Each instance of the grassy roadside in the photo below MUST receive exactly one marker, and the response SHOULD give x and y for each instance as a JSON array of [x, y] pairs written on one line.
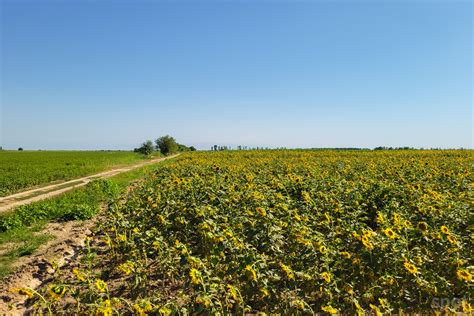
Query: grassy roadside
[[31, 169], [20, 229]]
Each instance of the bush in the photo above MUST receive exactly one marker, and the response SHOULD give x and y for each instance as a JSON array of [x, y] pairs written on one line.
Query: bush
[[166, 145], [146, 148]]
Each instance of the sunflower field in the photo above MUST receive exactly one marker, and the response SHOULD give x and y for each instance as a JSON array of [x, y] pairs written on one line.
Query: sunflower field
[[283, 231]]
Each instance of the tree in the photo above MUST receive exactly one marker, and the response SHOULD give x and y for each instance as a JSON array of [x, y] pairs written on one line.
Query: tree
[[166, 145], [182, 147], [146, 148], [192, 148], [20, 149]]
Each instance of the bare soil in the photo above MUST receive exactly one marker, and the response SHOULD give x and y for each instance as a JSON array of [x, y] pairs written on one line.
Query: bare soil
[[37, 270]]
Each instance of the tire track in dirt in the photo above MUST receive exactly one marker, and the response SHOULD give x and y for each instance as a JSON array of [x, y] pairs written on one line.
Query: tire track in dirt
[[37, 269]]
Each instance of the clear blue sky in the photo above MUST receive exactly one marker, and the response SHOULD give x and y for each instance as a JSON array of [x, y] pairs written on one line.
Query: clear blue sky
[[110, 74]]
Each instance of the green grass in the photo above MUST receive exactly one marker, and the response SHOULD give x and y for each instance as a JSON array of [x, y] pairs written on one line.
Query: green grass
[[19, 228], [26, 169]]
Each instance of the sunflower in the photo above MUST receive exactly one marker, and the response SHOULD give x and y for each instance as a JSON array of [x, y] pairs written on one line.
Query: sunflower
[[383, 303], [396, 219], [423, 226], [390, 233], [261, 211], [143, 308], [380, 218], [56, 291], [264, 292], [156, 245], [376, 310], [79, 275], [349, 289], [451, 239], [121, 238], [410, 267], [467, 307], [323, 249], [366, 242], [289, 273], [359, 310], [445, 230], [306, 197], [464, 275], [345, 254], [195, 276], [252, 274], [328, 217], [101, 285], [298, 304], [329, 309], [23, 291], [127, 267], [165, 311], [232, 290], [326, 277], [201, 300], [105, 309]]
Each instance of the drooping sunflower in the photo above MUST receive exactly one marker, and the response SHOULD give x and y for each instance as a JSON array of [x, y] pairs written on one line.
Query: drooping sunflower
[[251, 273], [346, 254], [423, 226], [101, 285], [289, 273], [464, 275], [261, 211], [127, 267], [195, 276], [326, 277], [451, 239], [79, 275], [329, 309], [410, 267], [23, 291], [56, 291], [105, 309]]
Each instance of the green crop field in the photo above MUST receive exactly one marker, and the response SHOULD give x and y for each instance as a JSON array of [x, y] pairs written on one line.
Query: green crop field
[[280, 232], [20, 170], [21, 229]]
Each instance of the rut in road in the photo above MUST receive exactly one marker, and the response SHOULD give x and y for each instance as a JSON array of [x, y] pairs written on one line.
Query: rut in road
[[26, 197]]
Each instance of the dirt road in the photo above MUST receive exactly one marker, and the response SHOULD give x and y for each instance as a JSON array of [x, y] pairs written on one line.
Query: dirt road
[[26, 197]]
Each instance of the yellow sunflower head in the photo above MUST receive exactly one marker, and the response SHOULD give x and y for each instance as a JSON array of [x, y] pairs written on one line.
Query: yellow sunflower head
[[464, 275], [444, 230], [390, 233], [451, 239], [410, 267], [326, 277]]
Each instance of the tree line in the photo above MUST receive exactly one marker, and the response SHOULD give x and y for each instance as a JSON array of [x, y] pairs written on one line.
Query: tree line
[[166, 145]]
